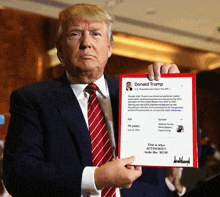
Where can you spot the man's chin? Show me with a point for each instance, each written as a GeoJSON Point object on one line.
{"type": "Point", "coordinates": [85, 72]}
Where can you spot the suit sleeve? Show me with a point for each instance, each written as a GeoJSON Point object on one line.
{"type": "Point", "coordinates": [28, 170]}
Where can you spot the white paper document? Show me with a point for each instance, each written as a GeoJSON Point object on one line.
{"type": "Point", "coordinates": [157, 120]}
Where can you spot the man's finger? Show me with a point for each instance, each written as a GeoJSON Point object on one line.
{"type": "Point", "coordinates": [154, 70]}
{"type": "Point", "coordinates": [128, 160]}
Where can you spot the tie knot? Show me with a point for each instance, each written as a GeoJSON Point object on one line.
{"type": "Point", "coordinates": [91, 88]}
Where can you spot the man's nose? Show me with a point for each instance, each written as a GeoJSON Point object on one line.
{"type": "Point", "coordinates": [86, 41]}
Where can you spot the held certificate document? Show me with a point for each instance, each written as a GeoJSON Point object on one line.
{"type": "Point", "coordinates": [157, 120]}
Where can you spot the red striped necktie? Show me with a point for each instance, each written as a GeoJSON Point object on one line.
{"type": "Point", "coordinates": [100, 143]}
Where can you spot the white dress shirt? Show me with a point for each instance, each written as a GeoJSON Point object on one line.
{"type": "Point", "coordinates": [88, 187]}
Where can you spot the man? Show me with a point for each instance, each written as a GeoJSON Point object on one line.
{"type": "Point", "coordinates": [48, 145]}
{"type": "Point", "coordinates": [128, 86]}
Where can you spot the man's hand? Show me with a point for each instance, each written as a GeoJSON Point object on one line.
{"type": "Point", "coordinates": [116, 174]}
{"type": "Point", "coordinates": [174, 177]}
{"type": "Point", "coordinates": [155, 69]}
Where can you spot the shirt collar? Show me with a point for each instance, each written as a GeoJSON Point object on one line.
{"type": "Point", "coordinates": [79, 88]}
{"type": "Point", "coordinates": [102, 84]}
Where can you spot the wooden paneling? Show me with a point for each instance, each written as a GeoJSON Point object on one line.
{"type": "Point", "coordinates": [24, 42]}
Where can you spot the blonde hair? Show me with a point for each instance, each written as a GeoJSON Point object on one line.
{"type": "Point", "coordinates": [87, 11]}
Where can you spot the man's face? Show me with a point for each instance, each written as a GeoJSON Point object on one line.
{"type": "Point", "coordinates": [85, 49]}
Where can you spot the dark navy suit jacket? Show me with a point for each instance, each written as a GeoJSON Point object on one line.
{"type": "Point", "coordinates": [48, 144]}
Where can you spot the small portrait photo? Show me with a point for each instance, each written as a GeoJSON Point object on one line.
{"type": "Point", "coordinates": [180, 128]}
{"type": "Point", "coordinates": [128, 86]}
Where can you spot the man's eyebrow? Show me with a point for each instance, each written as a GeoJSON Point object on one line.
{"type": "Point", "coordinates": [75, 28]}
{"type": "Point", "coordinates": [95, 29]}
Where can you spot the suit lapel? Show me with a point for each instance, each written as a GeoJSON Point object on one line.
{"type": "Point", "coordinates": [70, 110]}
{"type": "Point", "coordinates": [113, 86]}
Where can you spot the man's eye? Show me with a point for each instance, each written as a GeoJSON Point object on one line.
{"type": "Point", "coordinates": [96, 34]}
{"type": "Point", "coordinates": [74, 35]}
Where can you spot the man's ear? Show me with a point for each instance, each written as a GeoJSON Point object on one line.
{"type": "Point", "coordinates": [59, 55]}
{"type": "Point", "coordinates": [109, 50]}
{"type": "Point", "coordinates": [59, 51]}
